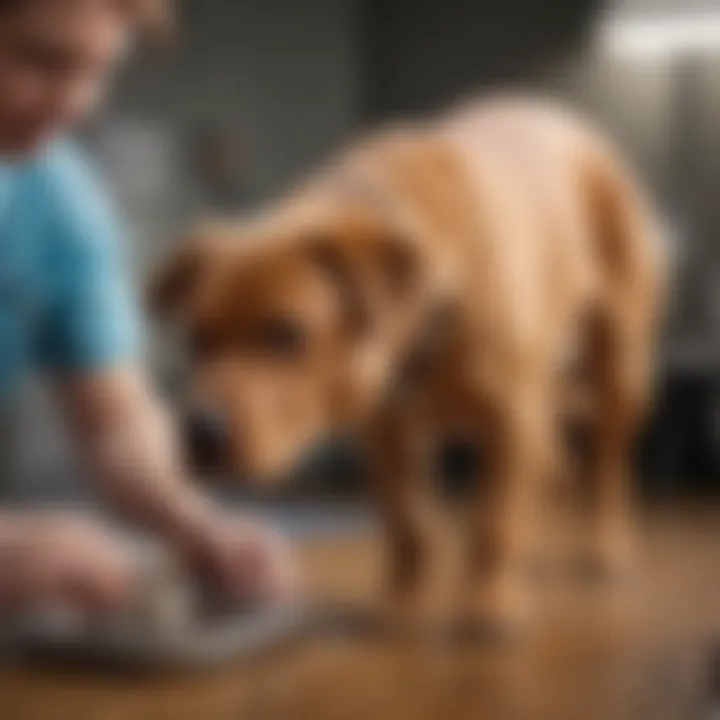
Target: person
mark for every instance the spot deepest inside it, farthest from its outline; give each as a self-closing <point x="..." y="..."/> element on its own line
<point x="65" y="311"/>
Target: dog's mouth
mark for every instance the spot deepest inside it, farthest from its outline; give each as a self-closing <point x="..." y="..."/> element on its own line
<point x="330" y="461"/>
<point x="206" y="439"/>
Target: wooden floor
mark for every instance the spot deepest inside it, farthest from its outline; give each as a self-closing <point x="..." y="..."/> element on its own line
<point x="643" y="652"/>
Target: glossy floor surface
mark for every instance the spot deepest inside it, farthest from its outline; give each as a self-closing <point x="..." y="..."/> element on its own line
<point x="645" y="651"/>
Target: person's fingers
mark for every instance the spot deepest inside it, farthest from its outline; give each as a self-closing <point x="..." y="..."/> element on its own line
<point x="239" y="568"/>
<point x="95" y="588"/>
<point x="101" y="577"/>
<point x="276" y="575"/>
<point x="258" y="564"/>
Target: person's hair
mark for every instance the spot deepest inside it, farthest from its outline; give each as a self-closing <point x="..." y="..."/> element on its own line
<point x="155" y="17"/>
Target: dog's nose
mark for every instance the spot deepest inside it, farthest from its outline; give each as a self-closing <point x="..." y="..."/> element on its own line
<point x="207" y="436"/>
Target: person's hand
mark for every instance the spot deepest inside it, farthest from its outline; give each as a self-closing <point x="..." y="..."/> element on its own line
<point x="245" y="560"/>
<point x="46" y="556"/>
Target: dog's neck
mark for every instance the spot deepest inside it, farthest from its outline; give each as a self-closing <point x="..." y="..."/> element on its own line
<point x="395" y="364"/>
<point x="422" y="352"/>
<point x="408" y="340"/>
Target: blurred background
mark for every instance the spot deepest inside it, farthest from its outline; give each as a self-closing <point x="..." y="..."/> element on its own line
<point x="253" y="94"/>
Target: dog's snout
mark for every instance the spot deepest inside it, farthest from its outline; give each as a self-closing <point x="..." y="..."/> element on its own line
<point x="207" y="438"/>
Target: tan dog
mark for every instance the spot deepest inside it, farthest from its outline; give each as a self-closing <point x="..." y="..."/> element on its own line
<point x="433" y="282"/>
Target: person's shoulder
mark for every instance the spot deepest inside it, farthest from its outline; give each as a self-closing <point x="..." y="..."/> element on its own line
<point x="66" y="170"/>
<point x="74" y="193"/>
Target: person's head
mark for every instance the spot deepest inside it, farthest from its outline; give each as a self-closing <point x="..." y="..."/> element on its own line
<point x="56" y="57"/>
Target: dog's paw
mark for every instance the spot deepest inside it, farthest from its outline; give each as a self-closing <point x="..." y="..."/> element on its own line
<point x="496" y="611"/>
<point x="540" y="567"/>
<point x="420" y="614"/>
<point x="608" y="555"/>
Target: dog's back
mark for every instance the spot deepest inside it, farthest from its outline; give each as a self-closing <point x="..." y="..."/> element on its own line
<point x="528" y="210"/>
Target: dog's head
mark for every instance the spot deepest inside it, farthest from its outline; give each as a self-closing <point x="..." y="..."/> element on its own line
<point x="293" y="329"/>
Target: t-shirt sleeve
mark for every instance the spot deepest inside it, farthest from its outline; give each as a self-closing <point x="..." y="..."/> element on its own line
<point x="91" y="321"/>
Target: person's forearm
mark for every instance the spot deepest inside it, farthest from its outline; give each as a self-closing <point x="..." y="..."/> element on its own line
<point x="129" y="447"/>
<point x="136" y="463"/>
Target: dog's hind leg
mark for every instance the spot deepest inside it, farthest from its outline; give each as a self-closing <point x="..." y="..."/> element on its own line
<point x="622" y="340"/>
<point x="620" y="352"/>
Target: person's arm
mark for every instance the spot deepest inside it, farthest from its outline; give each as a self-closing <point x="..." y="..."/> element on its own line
<point x="129" y="448"/>
<point x="128" y="444"/>
<point x="89" y="344"/>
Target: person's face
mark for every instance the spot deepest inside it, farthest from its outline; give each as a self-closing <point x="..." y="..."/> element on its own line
<point x="56" y="57"/>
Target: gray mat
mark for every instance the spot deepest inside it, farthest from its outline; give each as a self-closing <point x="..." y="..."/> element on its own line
<point x="169" y="622"/>
<point x="198" y="634"/>
<point x="206" y="642"/>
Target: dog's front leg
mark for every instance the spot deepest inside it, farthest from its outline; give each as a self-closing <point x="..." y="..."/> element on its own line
<point x="502" y="534"/>
<point x="420" y="560"/>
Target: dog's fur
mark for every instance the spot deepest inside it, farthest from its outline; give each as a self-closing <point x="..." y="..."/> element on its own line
<point x="439" y="279"/>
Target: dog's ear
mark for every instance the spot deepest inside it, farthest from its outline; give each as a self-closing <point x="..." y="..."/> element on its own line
<point x="332" y="259"/>
<point x="373" y="274"/>
<point x="174" y="282"/>
<point x="398" y="264"/>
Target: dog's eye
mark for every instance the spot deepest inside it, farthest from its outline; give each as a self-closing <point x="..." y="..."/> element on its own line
<point x="282" y="337"/>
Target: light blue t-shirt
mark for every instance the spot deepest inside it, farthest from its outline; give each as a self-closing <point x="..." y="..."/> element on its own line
<point x="64" y="301"/>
